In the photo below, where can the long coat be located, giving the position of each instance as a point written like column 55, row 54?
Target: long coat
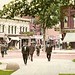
column 25, row 51
column 2, row 49
column 49, row 49
column 31, row 49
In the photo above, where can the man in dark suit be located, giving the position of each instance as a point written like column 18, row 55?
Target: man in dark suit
column 25, row 52
column 31, row 51
column 48, row 51
column 2, row 51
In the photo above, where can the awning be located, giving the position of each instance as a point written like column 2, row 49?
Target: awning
column 70, row 37
column 14, row 38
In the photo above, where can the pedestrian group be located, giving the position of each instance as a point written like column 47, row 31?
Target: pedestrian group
column 28, row 51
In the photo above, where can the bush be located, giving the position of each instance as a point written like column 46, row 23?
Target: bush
column 73, row 60
column 6, row 72
column 66, row 74
column 0, row 62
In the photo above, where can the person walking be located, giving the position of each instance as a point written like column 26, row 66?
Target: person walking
column 31, row 51
column 5, row 48
column 38, row 50
column 25, row 53
column 48, row 51
column 2, row 51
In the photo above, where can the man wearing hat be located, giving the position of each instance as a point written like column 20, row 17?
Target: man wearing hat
column 25, row 52
column 48, row 51
column 31, row 50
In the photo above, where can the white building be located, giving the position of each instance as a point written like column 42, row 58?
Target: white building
column 11, row 29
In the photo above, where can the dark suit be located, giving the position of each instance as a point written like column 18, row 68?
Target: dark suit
column 48, row 52
column 31, row 52
column 25, row 53
column 2, row 51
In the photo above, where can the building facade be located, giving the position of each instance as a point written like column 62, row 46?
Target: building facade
column 10, row 30
column 68, row 26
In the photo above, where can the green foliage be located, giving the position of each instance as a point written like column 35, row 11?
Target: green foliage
column 73, row 60
column 66, row 74
column 0, row 62
column 45, row 9
column 6, row 72
column 27, row 33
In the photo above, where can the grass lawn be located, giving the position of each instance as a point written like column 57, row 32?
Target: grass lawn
column 5, row 72
column 0, row 63
column 66, row 74
column 73, row 60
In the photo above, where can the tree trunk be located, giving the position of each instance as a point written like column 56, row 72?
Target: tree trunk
column 44, row 29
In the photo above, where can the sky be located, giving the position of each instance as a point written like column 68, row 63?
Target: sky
column 2, row 2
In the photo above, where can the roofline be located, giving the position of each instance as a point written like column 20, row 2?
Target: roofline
column 17, row 19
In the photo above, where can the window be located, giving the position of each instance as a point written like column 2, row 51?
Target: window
column 8, row 29
column 74, row 22
column 15, row 29
column 23, row 29
column 26, row 29
column 12, row 29
column 0, row 27
column 3, row 28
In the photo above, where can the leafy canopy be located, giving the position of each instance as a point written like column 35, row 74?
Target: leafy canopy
column 47, row 11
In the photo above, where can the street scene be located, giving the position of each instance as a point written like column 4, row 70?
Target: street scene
column 37, row 37
column 61, row 62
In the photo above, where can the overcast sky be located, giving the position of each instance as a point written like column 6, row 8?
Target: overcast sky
column 2, row 2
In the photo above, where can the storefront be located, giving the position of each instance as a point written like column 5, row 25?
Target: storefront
column 69, row 40
column 15, row 42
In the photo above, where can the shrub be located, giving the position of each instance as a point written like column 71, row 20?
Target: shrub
column 73, row 60
column 0, row 62
column 6, row 72
column 66, row 74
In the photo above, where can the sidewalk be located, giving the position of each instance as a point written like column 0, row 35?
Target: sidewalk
column 63, row 51
column 40, row 66
column 43, row 67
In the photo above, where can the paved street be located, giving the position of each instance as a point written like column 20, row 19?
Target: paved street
column 61, row 62
column 56, row 54
column 43, row 67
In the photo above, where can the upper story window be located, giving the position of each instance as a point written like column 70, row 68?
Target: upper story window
column 12, row 30
column 15, row 29
column 3, row 28
column 20, row 29
column 0, row 27
column 26, row 29
column 8, row 29
column 23, row 29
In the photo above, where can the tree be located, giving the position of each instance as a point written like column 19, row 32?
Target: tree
column 15, row 8
column 48, row 11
